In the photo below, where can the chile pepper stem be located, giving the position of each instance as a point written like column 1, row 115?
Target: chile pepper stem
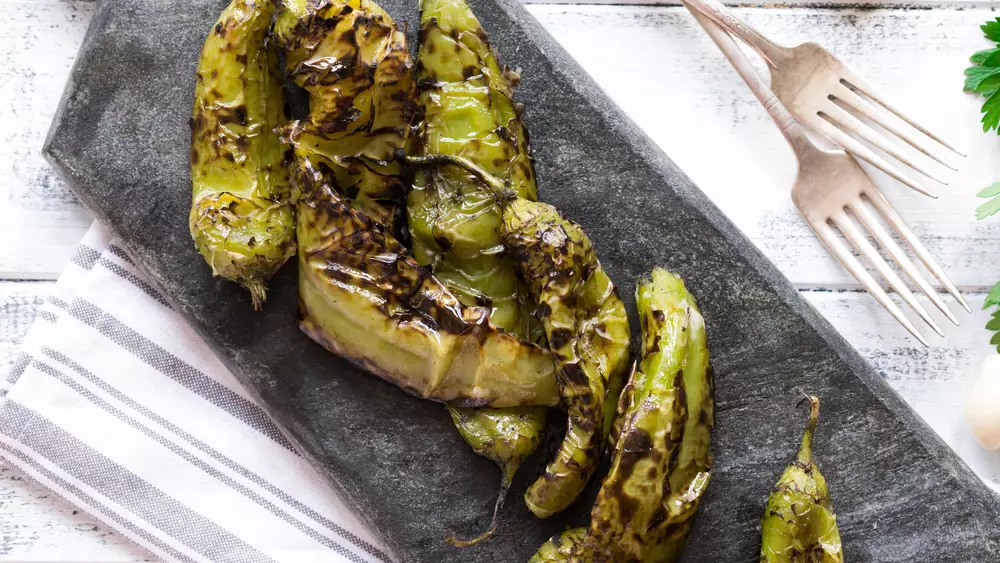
column 805, row 450
column 258, row 292
column 507, row 470
column 499, row 189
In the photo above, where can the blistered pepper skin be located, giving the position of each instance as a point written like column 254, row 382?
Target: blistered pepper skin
column 466, row 110
column 587, row 329
column 559, row 548
column 661, row 457
column 355, row 277
column 242, row 215
column 690, row 475
column 799, row 525
column 661, row 460
column 352, row 60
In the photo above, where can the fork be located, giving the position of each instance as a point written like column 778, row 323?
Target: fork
column 833, row 193
column 828, row 97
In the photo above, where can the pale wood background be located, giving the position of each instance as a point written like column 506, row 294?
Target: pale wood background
column 656, row 63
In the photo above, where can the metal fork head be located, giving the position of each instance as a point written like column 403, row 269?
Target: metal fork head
column 828, row 97
column 832, row 191
column 835, row 195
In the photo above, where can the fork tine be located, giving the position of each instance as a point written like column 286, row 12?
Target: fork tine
column 889, row 214
column 851, row 145
column 862, row 245
column 847, row 121
column 860, row 84
column 893, row 124
column 885, row 240
column 842, row 254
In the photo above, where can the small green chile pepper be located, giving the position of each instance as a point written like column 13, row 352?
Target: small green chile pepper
column 506, row 436
column 661, row 459
column 661, row 455
column 799, row 525
column 691, row 472
column 587, row 330
column 242, row 218
column 454, row 220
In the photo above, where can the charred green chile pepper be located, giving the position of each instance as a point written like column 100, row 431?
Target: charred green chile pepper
column 799, row 525
column 465, row 101
column 587, row 330
column 352, row 60
column 242, row 218
column 560, row 548
column 691, row 472
column 364, row 298
column 355, row 277
column 467, row 111
column 661, row 457
column 504, row 435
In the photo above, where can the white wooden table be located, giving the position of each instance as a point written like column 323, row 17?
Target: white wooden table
column 656, row 63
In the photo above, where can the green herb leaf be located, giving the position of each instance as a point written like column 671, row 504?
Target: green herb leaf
column 983, row 56
column 995, row 340
column 992, row 29
column 993, row 298
column 983, row 77
column 990, row 190
column 987, row 83
column 991, row 112
column 988, row 208
column 992, row 60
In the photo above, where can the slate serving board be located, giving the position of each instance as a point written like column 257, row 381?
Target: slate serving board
column 121, row 138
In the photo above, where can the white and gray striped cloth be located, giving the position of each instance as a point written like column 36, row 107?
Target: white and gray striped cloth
column 119, row 407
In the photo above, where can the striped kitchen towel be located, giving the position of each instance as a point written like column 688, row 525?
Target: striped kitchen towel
column 120, row 408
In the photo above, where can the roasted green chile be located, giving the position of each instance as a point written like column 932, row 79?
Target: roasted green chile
column 242, row 218
column 352, row 60
column 467, row 111
column 355, row 277
column 661, row 460
column 464, row 100
column 559, row 549
column 504, row 435
column 661, row 456
column 799, row 525
column 587, row 330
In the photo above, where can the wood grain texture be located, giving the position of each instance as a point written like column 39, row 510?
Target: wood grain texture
column 40, row 221
column 673, row 82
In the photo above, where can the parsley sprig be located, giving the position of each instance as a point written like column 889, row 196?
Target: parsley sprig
column 983, row 76
column 993, row 325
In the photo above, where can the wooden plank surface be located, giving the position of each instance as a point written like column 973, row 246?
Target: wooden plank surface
column 40, row 220
column 670, row 79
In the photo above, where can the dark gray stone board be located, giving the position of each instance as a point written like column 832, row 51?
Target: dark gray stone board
column 121, row 140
